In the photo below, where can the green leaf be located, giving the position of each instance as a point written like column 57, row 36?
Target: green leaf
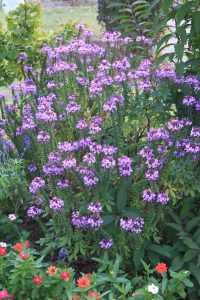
column 190, row 243
column 182, row 11
column 153, row 257
column 166, row 4
column 197, row 21
column 137, row 256
column 191, row 224
column 132, row 212
column 164, row 284
column 160, row 250
column 122, row 194
column 189, row 255
column 179, row 50
column 195, row 271
column 177, row 263
column 174, row 226
column 180, row 68
column 188, row 283
column 108, row 219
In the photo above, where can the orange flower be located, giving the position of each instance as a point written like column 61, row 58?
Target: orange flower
column 52, row 270
column 161, row 268
column 18, row 247
column 83, row 282
column 93, row 295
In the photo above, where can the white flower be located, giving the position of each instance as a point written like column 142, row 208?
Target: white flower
column 12, row 217
column 3, row 245
column 153, row 289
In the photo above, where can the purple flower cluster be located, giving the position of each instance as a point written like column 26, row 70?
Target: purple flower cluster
column 93, row 221
column 56, row 204
column 112, row 104
column 133, row 225
column 125, row 166
column 106, row 243
column 150, row 196
column 36, row 184
column 43, row 137
column 144, row 40
column 34, row 212
column 95, row 207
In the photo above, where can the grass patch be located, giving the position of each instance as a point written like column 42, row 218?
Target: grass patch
column 52, row 17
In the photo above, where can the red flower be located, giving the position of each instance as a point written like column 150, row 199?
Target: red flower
column 3, row 252
column 161, row 268
column 27, row 244
column 12, row 297
column 3, row 294
column 37, row 280
column 89, row 275
column 65, row 276
column 18, row 247
column 93, row 295
column 83, row 282
column 23, row 255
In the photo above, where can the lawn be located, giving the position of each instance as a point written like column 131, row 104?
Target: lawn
column 53, row 16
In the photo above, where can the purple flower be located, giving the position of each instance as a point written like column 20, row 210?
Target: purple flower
column 72, row 107
column 56, row 204
column 54, row 157
column 195, row 132
column 162, row 198
column 36, row 184
column 95, row 221
column 69, row 163
column 80, row 222
column 96, row 120
column 52, row 85
column 197, row 106
column 109, row 150
column 63, row 184
column 132, row 225
column 106, row 243
column 32, row 168
column 125, row 166
column 94, row 128
column 156, row 134
column 95, row 207
column 33, row 212
column 152, row 174
column 2, row 96
column 80, row 27
column 89, row 158
column 146, row 152
column 148, row 195
column 43, row 137
column 82, row 124
column 189, row 100
column 108, row 162
column 21, row 57
column 87, row 33
column 90, row 179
